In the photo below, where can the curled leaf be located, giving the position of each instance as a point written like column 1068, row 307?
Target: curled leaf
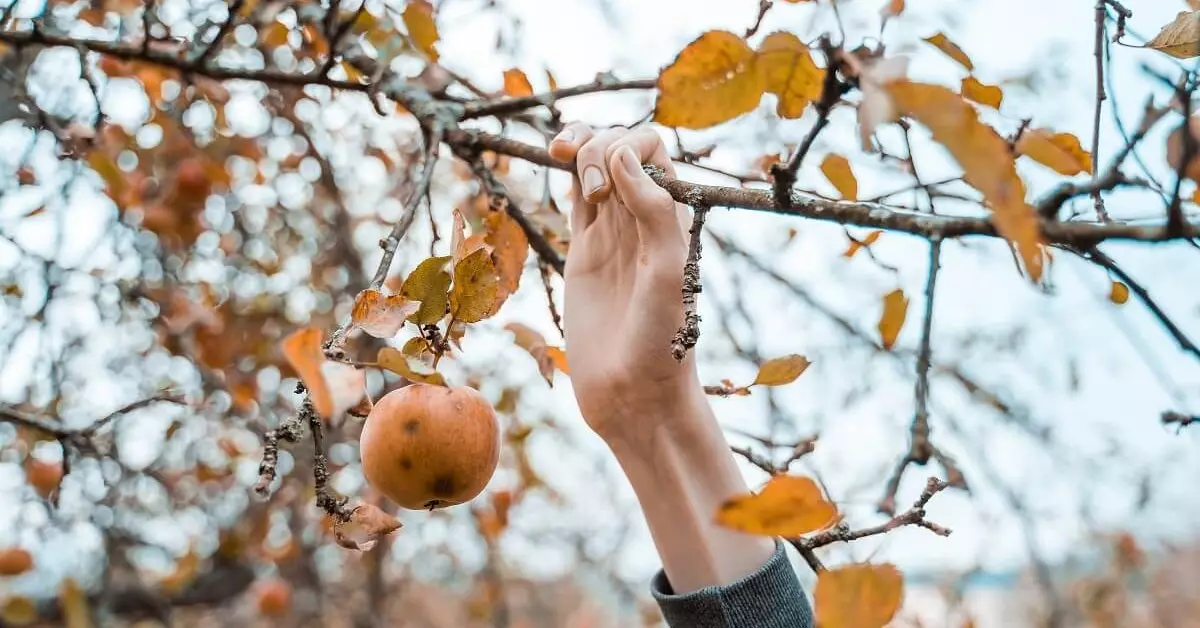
column 858, row 596
column 475, row 288
column 788, row 506
column 1060, row 152
column 895, row 309
column 1180, row 38
column 302, row 348
column 381, row 316
column 782, row 370
column 533, row 342
column 865, row 242
column 981, row 93
column 429, row 283
column 366, row 526
column 713, row 79
column 509, row 248
column 837, row 169
column 789, row 72
column 516, row 84
column 410, row 368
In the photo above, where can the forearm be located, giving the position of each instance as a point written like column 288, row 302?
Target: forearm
column 681, row 469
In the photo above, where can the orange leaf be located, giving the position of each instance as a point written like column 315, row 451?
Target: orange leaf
column 418, row 19
column 302, row 348
column 892, row 8
column 476, row 286
column 1118, row 293
column 951, row 49
column 837, row 169
column 985, row 159
column 866, row 241
column 858, row 596
column 509, row 248
column 788, row 506
column 1060, row 152
column 713, row 79
column 782, row 370
column 789, row 73
column 532, row 342
column 559, row 357
column 550, row 80
column 381, row 316
column 989, row 95
column 367, row 525
column 15, row 561
column 895, row 309
column 516, row 84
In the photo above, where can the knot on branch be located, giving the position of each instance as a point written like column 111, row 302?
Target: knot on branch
column 689, row 333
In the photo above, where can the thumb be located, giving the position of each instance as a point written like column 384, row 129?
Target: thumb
column 652, row 207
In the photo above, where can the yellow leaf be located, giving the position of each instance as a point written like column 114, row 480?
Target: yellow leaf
column 866, row 241
column 74, row 603
column 183, row 574
column 417, row 347
column 1119, row 293
column 381, row 316
column 893, row 8
column 950, row 49
column 559, row 357
column 509, row 248
column 837, row 169
column 981, row 93
column 407, row 367
column 475, row 288
column 788, row 506
column 516, row 84
column 985, row 159
column 789, row 72
column 858, row 596
column 429, row 283
column 366, row 526
column 895, row 309
column 532, row 342
column 19, row 611
column 713, row 79
column 418, row 19
column 779, row 371
column 1180, row 38
column 1060, row 152
column 302, row 348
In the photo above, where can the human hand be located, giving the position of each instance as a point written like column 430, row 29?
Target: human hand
column 624, row 281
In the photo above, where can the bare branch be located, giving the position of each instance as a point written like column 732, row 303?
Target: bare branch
column 689, row 332
column 914, row 516
column 603, row 83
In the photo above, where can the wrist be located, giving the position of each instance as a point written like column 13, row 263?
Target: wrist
column 629, row 414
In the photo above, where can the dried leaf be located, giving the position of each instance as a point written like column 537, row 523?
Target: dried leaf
column 302, row 348
column 418, row 19
column 837, row 169
column 788, row 506
column 865, row 242
column 895, row 309
column 1175, row 149
column 892, row 8
column 72, row 599
column 509, row 248
column 985, row 159
column 429, row 283
column 533, row 342
column 1119, row 293
column 516, row 84
column 419, row 348
column 381, row 316
column 476, row 286
column 1180, row 38
column 951, row 49
column 782, row 370
column 876, row 106
column 410, row 368
column 789, row 72
column 367, row 525
column 981, row 93
column 858, row 596
column 713, row 79
column 559, row 357
column 1060, row 152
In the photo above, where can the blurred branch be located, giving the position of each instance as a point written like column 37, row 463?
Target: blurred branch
column 1182, row 420
column 603, row 83
column 233, row 8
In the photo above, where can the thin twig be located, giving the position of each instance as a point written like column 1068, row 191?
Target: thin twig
column 784, row 175
column 763, row 7
column 603, row 83
column 226, row 26
column 411, row 207
column 1183, row 420
column 544, row 270
column 1101, row 22
column 914, row 516
column 1183, row 94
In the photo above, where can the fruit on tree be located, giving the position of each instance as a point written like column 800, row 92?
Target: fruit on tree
column 274, row 598
column 427, row 446
column 14, row 561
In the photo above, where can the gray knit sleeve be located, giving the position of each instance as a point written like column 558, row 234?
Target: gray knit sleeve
column 768, row 598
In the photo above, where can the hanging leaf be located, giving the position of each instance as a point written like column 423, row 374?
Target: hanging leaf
column 509, row 247
column 347, row 386
column 418, row 19
column 1180, row 38
column 18, row 610
column 858, row 596
column 876, row 106
column 73, row 602
column 837, row 170
column 865, row 242
column 1060, row 152
column 981, row 93
column 1118, row 293
column 559, row 357
column 366, row 526
column 410, row 368
column 782, row 370
column 15, row 561
column 985, row 159
column 533, row 343
column 381, row 316
column 951, row 49
column 516, row 84
column 302, row 348
column 419, row 348
column 895, row 309
column 788, row 506
column 1175, row 149
column 788, row 71
column 892, row 8
column 429, row 283
column 713, row 79
column 476, row 285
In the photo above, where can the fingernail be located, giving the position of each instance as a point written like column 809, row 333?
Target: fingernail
column 593, row 180
column 567, row 136
column 629, row 161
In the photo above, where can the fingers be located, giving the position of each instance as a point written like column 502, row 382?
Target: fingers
column 567, row 143
column 652, row 207
column 647, row 145
column 583, row 213
column 591, row 162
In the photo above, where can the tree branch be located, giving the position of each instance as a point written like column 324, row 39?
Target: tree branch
column 603, row 83
column 689, row 332
column 914, row 516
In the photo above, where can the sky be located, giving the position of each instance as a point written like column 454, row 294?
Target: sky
column 1128, row 370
